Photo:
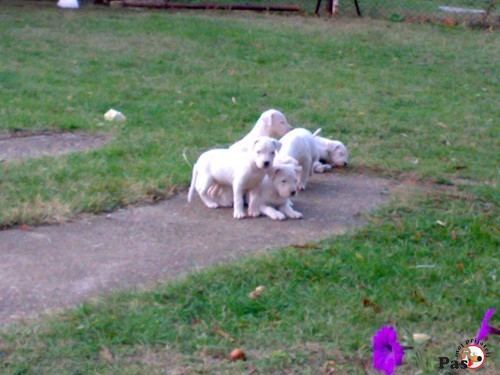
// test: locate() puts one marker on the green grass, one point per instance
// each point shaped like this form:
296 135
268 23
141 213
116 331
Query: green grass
412 102
311 311
395 94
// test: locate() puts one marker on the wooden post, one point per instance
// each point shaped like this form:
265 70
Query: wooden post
318 4
329 7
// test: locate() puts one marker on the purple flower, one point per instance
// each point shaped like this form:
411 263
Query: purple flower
387 352
485 328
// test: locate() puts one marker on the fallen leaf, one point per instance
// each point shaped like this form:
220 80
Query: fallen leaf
450 21
367 303
453 235
238 354
421 337
418 297
359 256
305 246
460 267
233 99
25 227
442 125
329 368
106 355
441 223
253 295
224 334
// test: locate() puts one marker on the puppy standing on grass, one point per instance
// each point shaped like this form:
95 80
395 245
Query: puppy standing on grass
271 123
243 171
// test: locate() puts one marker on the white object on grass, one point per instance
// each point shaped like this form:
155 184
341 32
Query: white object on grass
68 4
113 115
461 10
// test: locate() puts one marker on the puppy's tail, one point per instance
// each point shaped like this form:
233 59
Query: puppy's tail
193 184
317 132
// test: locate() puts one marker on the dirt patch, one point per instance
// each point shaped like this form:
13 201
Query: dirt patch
59 266
31 145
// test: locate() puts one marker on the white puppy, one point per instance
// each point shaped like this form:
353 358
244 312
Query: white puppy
275 191
243 171
299 144
332 153
271 123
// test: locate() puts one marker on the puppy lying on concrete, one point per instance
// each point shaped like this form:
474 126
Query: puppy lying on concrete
275 191
332 153
271 123
242 171
299 144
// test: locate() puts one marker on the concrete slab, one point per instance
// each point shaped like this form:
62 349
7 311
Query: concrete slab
53 267
32 145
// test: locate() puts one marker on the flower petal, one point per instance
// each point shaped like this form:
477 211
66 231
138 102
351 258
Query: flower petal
387 351
485 328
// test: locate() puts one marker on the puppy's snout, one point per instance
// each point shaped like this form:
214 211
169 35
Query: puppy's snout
292 193
266 164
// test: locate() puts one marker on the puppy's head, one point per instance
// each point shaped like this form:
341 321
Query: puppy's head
337 154
264 150
285 180
275 123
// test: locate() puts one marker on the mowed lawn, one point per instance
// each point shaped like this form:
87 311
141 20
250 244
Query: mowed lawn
404 98
415 103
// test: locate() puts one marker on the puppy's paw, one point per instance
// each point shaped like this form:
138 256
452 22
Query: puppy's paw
239 215
253 213
302 187
326 168
322 168
277 216
295 215
211 204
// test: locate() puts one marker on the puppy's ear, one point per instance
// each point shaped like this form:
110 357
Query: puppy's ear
276 117
332 146
275 172
267 118
255 143
277 144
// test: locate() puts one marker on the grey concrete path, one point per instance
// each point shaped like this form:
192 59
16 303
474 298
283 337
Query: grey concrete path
32 145
53 267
